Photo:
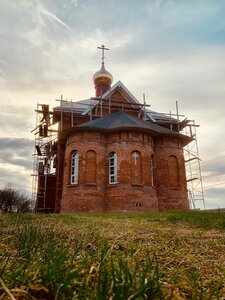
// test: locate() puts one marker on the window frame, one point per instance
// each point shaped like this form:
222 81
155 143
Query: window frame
113 172
74 168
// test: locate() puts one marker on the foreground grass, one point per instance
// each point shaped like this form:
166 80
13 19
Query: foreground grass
113 256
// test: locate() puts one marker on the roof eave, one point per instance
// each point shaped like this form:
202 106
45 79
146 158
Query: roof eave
185 139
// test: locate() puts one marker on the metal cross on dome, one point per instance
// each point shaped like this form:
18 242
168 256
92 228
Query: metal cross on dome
103 48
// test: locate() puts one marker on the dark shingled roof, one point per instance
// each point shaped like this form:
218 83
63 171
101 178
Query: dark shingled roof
119 120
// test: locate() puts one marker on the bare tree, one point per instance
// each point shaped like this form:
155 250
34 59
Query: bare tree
12 200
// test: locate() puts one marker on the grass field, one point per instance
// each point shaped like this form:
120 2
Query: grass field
113 256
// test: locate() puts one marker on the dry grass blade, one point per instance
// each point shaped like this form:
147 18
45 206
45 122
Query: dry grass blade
113 256
7 290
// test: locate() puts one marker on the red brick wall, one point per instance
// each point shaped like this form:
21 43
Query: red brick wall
171 196
123 196
168 193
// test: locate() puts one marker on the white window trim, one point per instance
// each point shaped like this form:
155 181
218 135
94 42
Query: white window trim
113 168
74 168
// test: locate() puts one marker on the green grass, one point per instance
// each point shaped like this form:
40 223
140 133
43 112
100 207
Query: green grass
112 256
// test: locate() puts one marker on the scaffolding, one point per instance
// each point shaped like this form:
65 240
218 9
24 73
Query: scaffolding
191 158
193 169
44 152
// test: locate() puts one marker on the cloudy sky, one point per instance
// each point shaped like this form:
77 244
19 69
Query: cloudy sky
171 50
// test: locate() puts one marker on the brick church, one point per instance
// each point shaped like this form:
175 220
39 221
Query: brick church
111 153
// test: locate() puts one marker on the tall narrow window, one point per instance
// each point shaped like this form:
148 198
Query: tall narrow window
74 167
90 168
173 171
152 163
113 167
136 168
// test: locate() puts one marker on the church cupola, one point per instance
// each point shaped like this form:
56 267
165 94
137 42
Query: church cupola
102 79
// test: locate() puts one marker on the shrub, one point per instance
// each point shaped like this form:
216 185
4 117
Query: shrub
12 200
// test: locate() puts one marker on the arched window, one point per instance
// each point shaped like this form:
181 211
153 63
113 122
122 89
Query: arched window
113 167
90 167
74 167
136 169
173 167
152 165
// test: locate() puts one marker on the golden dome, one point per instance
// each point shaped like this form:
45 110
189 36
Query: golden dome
102 76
